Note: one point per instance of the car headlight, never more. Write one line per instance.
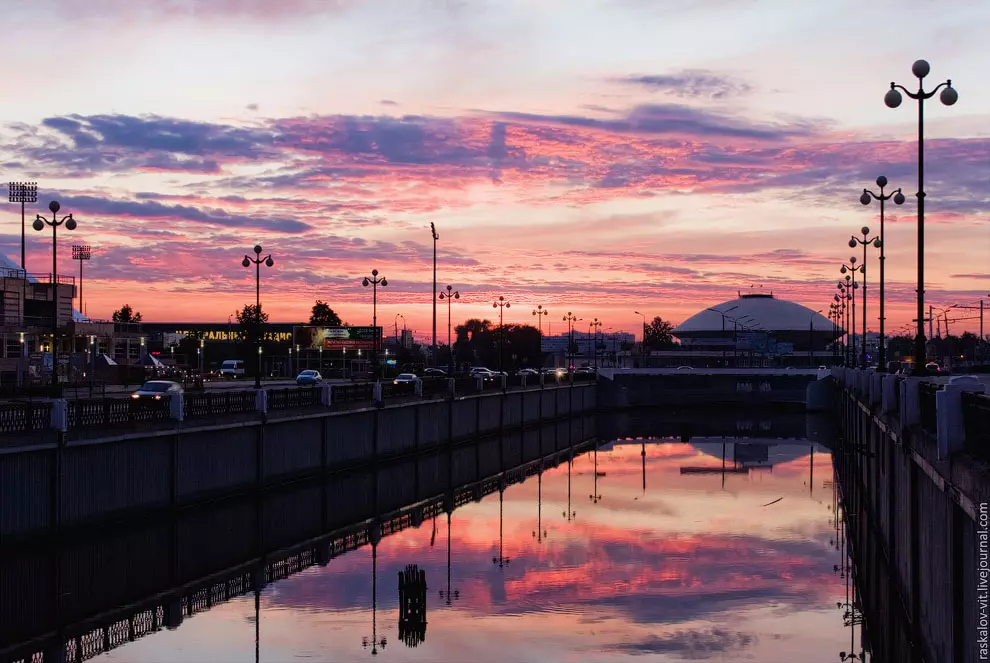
(158, 397)
(135, 396)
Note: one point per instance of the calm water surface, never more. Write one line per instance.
(677, 561)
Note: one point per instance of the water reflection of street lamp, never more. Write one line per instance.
(501, 560)
(539, 534)
(455, 594)
(375, 536)
(569, 514)
(595, 497)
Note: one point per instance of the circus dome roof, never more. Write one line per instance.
(754, 311)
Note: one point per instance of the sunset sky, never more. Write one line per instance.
(590, 156)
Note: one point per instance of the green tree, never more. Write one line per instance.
(324, 316)
(251, 321)
(126, 315)
(659, 334)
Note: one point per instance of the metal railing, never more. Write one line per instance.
(392, 390)
(108, 411)
(351, 393)
(25, 417)
(284, 399)
(212, 403)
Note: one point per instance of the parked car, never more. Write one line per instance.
(231, 369)
(406, 378)
(156, 390)
(309, 377)
(434, 373)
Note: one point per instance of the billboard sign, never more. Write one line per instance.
(337, 338)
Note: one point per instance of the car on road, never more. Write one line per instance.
(406, 378)
(156, 390)
(309, 377)
(231, 369)
(933, 367)
(530, 372)
(434, 373)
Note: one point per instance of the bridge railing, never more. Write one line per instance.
(73, 415)
(927, 407)
(976, 424)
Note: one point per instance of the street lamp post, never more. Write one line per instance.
(433, 231)
(39, 224)
(539, 312)
(570, 319)
(449, 294)
(642, 346)
(811, 338)
(257, 260)
(593, 328)
(847, 294)
(865, 199)
(374, 282)
(22, 192)
(721, 312)
(893, 99)
(501, 305)
(852, 286)
(866, 242)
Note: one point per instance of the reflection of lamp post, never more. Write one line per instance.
(449, 594)
(898, 200)
(569, 514)
(374, 282)
(595, 497)
(39, 224)
(893, 99)
(501, 305)
(449, 295)
(540, 533)
(501, 560)
(256, 261)
(375, 536)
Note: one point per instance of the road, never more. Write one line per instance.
(120, 391)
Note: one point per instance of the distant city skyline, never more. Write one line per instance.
(594, 158)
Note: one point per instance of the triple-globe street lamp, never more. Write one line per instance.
(449, 294)
(851, 286)
(374, 282)
(39, 224)
(866, 241)
(540, 312)
(501, 305)
(257, 261)
(893, 99)
(898, 199)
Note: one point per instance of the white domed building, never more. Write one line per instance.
(758, 329)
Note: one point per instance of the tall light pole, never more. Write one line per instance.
(433, 231)
(865, 199)
(501, 305)
(22, 192)
(539, 312)
(81, 253)
(257, 260)
(866, 242)
(374, 282)
(642, 346)
(811, 339)
(893, 99)
(845, 288)
(449, 294)
(722, 312)
(852, 286)
(570, 319)
(39, 224)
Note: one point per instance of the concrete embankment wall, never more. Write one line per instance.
(913, 519)
(705, 387)
(51, 487)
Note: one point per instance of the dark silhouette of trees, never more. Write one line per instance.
(324, 316)
(126, 315)
(659, 334)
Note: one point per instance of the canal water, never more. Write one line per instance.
(701, 549)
